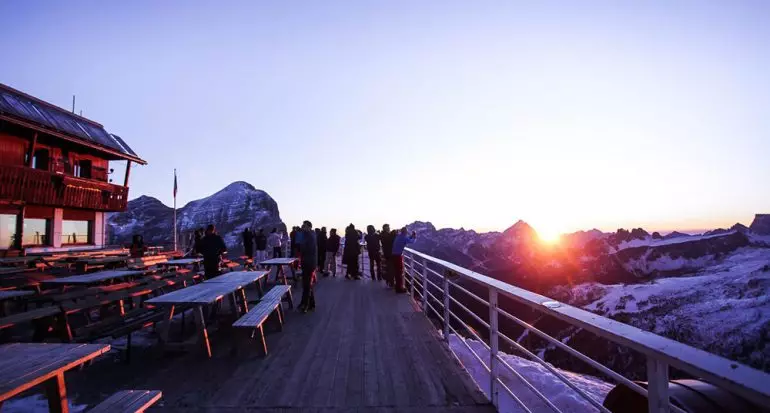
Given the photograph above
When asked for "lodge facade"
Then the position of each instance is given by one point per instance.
(56, 184)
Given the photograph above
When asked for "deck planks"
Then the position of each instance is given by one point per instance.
(364, 349)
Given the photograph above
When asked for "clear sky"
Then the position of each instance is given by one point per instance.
(569, 115)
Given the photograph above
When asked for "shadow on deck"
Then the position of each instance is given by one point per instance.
(365, 349)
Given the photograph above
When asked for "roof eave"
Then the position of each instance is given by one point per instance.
(72, 139)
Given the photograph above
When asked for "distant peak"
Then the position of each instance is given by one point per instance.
(239, 185)
(519, 228)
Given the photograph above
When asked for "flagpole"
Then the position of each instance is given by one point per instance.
(175, 240)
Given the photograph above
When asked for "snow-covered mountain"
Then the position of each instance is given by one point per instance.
(235, 207)
(711, 291)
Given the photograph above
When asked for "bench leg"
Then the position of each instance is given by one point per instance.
(56, 392)
(259, 287)
(291, 302)
(261, 332)
(204, 334)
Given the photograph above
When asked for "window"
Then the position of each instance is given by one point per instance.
(76, 232)
(40, 159)
(83, 168)
(8, 230)
(36, 231)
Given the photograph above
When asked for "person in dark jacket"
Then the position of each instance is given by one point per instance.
(399, 243)
(373, 248)
(138, 248)
(332, 249)
(197, 240)
(386, 238)
(260, 241)
(248, 243)
(308, 245)
(322, 239)
(212, 246)
(350, 253)
(293, 249)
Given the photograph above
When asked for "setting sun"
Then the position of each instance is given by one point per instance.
(549, 236)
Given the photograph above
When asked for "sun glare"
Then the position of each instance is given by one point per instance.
(549, 237)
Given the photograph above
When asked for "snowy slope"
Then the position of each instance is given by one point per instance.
(562, 396)
(723, 308)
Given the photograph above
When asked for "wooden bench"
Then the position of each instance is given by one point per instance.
(128, 401)
(146, 262)
(37, 317)
(255, 319)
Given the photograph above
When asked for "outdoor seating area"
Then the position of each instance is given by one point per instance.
(44, 313)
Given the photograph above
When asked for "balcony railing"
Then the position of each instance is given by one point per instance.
(39, 187)
(435, 285)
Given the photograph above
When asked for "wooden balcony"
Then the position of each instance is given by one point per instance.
(38, 187)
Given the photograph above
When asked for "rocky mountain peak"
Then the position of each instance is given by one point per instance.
(761, 224)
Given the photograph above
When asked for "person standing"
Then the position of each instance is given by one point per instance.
(138, 248)
(350, 253)
(308, 245)
(386, 238)
(260, 240)
(212, 246)
(274, 243)
(332, 249)
(373, 248)
(322, 239)
(248, 243)
(397, 259)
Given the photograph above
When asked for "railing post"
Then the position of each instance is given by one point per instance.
(447, 319)
(493, 348)
(424, 285)
(657, 386)
(411, 275)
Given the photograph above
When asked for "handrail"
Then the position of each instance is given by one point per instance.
(661, 352)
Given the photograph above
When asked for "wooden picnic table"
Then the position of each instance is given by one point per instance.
(94, 278)
(13, 261)
(279, 264)
(182, 262)
(7, 296)
(83, 263)
(243, 279)
(25, 365)
(196, 296)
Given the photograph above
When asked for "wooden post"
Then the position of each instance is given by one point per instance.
(19, 229)
(31, 152)
(56, 393)
(128, 172)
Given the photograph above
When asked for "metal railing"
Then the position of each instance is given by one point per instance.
(425, 274)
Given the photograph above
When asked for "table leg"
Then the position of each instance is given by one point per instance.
(234, 305)
(204, 334)
(294, 275)
(56, 392)
(245, 300)
(166, 327)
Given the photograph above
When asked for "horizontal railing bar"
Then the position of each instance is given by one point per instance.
(435, 273)
(436, 313)
(470, 330)
(556, 373)
(737, 378)
(528, 384)
(593, 363)
(471, 313)
(434, 297)
(513, 396)
(435, 285)
(484, 364)
(472, 295)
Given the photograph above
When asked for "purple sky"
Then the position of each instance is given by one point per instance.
(565, 114)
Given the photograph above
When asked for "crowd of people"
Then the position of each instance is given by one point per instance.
(316, 251)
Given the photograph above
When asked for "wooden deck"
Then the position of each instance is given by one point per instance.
(365, 349)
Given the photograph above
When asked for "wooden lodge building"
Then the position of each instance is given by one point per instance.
(55, 178)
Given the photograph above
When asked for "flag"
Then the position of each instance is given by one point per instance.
(175, 186)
